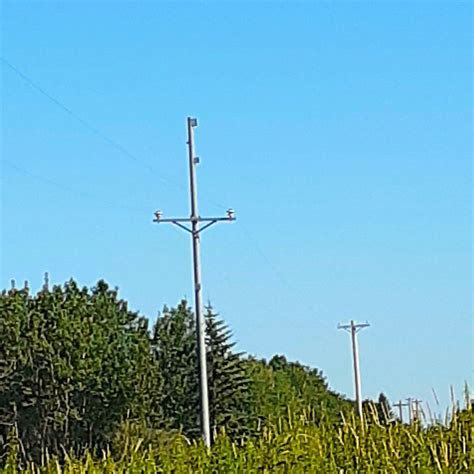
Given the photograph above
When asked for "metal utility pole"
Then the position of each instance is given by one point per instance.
(353, 329)
(195, 220)
(400, 406)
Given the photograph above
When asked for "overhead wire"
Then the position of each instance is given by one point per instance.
(85, 123)
(264, 256)
(270, 264)
(91, 128)
(68, 189)
(80, 193)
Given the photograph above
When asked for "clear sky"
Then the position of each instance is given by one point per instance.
(339, 132)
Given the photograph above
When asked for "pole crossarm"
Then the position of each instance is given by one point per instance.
(178, 221)
(400, 406)
(355, 327)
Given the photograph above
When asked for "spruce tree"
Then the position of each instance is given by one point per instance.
(174, 343)
(228, 382)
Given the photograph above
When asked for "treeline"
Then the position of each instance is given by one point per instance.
(80, 371)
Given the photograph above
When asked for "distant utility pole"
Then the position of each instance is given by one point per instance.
(195, 219)
(46, 281)
(400, 406)
(410, 409)
(416, 412)
(353, 329)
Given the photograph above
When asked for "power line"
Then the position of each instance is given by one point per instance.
(264, 256)
(83, 122)
(99, 133)
(73, 191)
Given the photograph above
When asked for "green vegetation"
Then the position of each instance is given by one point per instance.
(294, 444)
(73, 364)
(85, 386)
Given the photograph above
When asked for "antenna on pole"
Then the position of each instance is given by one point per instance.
(195, 230)
(353, 329)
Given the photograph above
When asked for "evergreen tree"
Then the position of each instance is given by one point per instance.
(174, 343)
(380, 411)
(384, 410)
(228, 382)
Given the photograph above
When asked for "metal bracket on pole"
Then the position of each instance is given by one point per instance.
(210, 220)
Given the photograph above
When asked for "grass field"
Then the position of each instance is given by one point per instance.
(292, 445)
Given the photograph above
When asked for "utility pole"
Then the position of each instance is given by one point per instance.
(410, 409)
(400, 406)
(416, 411)
(353, 329)
(46, 282)
(195, 220)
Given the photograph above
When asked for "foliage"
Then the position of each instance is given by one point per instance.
(228, 382)
(279, 386)
(81, 373)
(293, 444)
(380, 410)
(174, 344)
(73, 363)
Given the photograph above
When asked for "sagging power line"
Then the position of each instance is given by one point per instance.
(83, 122)
(91, 128)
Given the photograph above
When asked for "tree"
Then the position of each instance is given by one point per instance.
(279, 386)
(380, 411)
(74, 363)
(228, 382)
(174, 343)
(174, 346)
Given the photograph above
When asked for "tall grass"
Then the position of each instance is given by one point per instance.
(294, 444)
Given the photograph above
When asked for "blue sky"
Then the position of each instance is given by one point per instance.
(339, 132)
